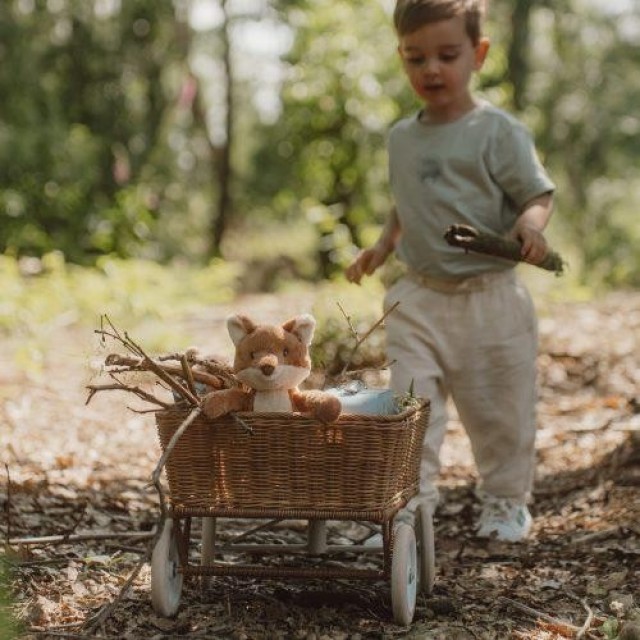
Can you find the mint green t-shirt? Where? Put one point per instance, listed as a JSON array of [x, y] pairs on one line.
[[479, 170]]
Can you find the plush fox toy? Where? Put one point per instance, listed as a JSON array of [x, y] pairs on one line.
[[272, 360]]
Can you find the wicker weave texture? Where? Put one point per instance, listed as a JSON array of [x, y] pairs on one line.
[[288, 461]]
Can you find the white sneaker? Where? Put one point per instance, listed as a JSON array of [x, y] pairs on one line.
[[504, 519]]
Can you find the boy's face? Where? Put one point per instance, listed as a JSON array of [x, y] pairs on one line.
[[439, 59]]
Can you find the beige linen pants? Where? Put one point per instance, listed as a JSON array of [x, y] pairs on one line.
[[476, 342]]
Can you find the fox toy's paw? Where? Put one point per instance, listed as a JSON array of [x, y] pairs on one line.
[[212, 407], [219, 403], [319, 404], [328, 409]]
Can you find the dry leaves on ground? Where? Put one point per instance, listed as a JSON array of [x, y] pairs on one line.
[[71, 470]]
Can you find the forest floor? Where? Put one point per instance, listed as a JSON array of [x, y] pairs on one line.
[[72, 469]]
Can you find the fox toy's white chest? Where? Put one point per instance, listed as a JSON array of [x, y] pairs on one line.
[[272, 400]]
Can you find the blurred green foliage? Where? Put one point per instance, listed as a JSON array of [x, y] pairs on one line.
[[112, 119], [52, 292], [8, 626]]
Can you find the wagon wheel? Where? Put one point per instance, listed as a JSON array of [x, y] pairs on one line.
[[166, 579], [426, 548], [404, 575]]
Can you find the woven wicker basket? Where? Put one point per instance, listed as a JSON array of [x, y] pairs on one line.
[[271, 461]]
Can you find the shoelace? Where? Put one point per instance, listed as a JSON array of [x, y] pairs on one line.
[[499, 509]]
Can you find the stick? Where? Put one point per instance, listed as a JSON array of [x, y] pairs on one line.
[[146, 361], [360, 340], [155, 476], [78, 537], [470, 239], [100, 618], [120, 386], [188, 374], [584, 629], [138, 364], [165, 377], [8, 503], [538, 614]]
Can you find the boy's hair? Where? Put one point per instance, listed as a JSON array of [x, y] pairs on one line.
[[410, 15]]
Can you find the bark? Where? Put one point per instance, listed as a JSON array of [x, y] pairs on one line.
[[470, 239], [222, 167]]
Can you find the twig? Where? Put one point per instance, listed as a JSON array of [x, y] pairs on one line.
[[108, 609], [538, 614], [7, 507], [582, 632], [596, 536], [120, 386], [360, 340], [165, 377], [155, 476], [188, 374], [242, 423], [77, 537], [91, 623], [131, 363], [48, 633], [146, 361]]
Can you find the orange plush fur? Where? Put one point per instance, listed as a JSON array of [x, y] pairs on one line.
[[272, 361]]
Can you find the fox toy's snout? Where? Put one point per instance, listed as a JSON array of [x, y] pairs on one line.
[[267, 364]]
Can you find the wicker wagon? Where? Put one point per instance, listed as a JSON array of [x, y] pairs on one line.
[[286, 466]]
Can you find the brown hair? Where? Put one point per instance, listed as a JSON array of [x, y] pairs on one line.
[[410, 15]]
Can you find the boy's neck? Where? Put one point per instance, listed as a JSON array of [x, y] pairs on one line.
[[436, 116]]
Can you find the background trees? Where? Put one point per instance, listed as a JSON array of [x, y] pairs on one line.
[[155, 128]]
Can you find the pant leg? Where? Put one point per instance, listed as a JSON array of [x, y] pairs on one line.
[[412, 350], [493, 385]]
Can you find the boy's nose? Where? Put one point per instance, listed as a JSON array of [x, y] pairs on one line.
[[430, 66]]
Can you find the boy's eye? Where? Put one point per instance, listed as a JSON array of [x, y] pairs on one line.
[[448, 57], [414, 62]]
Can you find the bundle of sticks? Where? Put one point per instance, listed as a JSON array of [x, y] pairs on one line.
[[187, 375]]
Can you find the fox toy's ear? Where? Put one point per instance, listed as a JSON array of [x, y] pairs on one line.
[[302, 326], [239, 327]]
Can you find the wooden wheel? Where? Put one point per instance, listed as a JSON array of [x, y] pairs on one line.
[[426, 548], [166, 579], [404, 575]]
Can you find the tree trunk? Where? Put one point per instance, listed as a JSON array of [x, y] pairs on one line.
[[518, 54], [222, 167]]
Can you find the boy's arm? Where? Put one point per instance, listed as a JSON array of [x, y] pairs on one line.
[[368, 260], [529, 227]]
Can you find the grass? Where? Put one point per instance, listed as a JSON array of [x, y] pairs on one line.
[[40, 297]]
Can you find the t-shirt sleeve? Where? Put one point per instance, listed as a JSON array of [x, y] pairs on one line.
[[515, 166]]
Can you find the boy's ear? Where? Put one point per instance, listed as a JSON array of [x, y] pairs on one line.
[[481, 50]]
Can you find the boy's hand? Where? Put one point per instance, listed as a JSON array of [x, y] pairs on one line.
[[534, 244], [530, 225], [366, 262]]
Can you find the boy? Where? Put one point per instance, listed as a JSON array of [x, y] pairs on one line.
[[465, 327]]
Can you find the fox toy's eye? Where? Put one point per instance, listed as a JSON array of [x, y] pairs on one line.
[[285, 352], [252, 355]]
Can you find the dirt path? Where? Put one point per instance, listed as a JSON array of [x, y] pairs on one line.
[[73, 468]]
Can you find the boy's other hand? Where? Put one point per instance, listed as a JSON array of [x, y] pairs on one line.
[[366, 262]]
